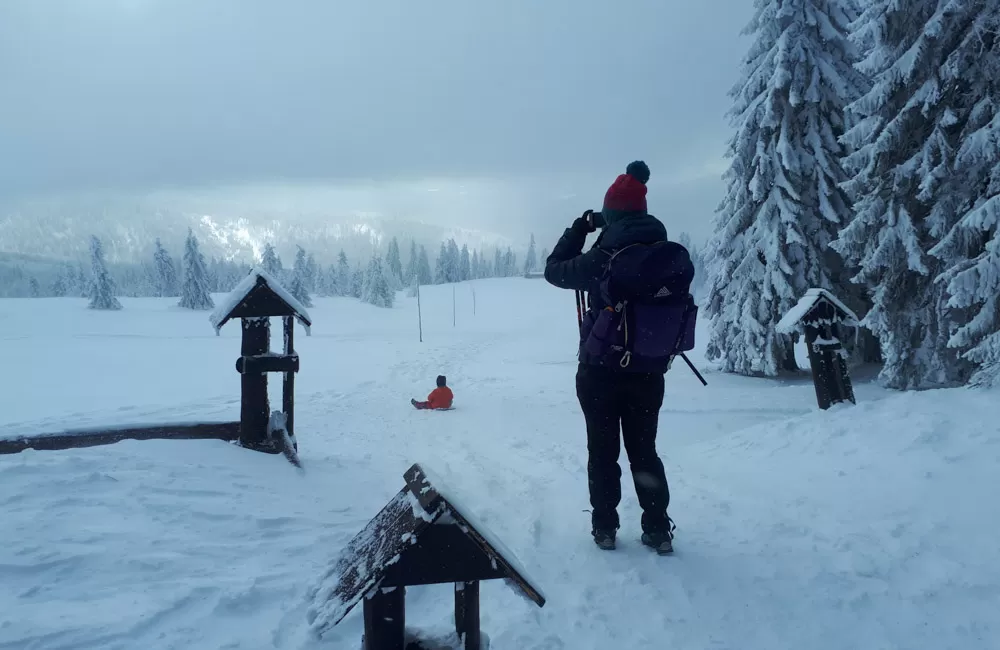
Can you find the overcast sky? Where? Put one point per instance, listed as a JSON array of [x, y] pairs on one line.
[[550, 99]]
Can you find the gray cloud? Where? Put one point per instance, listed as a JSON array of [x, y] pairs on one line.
[[161, 93]]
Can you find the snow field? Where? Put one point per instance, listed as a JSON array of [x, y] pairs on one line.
[[862, 527]]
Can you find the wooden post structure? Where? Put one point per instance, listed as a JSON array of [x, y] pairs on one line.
[[255, 409], [473, 301], [454, 318], [828, 365], [820, 314], [467, 614], [419, 538], [420, 318], [255, 300], [385, 619], [288, 385]]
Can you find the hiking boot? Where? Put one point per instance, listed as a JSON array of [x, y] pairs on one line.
[[662, 543], [605, 539]]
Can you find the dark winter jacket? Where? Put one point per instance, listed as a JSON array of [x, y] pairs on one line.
[[568, 267]]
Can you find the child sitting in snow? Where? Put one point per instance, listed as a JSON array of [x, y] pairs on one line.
[[440, 398]]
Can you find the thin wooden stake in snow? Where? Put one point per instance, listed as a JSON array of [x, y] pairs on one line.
[[420, 318], [454, 318]]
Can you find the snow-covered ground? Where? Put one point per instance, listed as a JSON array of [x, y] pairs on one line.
[[872, 526]]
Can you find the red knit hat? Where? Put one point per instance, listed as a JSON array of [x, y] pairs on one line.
[[626, 194]]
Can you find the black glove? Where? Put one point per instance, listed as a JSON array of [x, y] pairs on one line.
[[585, 223]]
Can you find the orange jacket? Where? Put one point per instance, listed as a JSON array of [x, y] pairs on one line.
[[440, 398]]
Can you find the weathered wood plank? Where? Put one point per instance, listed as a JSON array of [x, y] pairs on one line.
[[255, 365], [92, 438]]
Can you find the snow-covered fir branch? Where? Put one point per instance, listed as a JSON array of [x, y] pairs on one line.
[[784, 204], [919, 194]]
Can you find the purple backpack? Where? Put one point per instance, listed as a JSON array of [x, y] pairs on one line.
[[650, 314]]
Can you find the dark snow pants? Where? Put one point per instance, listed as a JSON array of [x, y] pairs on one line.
[[616, 406]]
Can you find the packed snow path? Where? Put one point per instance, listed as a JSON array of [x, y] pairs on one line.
[[865, 527]]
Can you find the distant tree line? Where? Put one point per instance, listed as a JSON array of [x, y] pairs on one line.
[[386, 273], [192, 279]]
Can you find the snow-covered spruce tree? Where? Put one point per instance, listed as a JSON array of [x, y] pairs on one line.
[[541, 259], [784, 205], [474, 265], [271, 263], [213, 273], [510, 263], [323, 279], [166, 271], [61, 285], [312, 273], [411, 265], [453, 263], [411, 291], [907, 192], [357, 282], [684, 239], [441, 265], [344, 276], [34, 289], [531, 259], [424, 268], [195, 292], [102, 287], [132, 282], [378, 290], [299, 286], [971, 249], [489, 268], [81, 283], [394, 264], [464, 264]]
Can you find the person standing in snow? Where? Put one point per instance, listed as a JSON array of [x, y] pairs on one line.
[[617, 402]]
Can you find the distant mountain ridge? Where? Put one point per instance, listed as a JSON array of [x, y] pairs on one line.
[[61, 231]]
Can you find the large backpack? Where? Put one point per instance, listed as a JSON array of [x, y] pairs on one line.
[[649, 316]]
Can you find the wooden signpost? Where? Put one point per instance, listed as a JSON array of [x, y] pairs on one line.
[[254, 301], [820, 315], [420, 537]]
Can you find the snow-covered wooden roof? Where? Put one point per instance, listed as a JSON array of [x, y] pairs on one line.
[[397, 538], [791, 322], [259, 289]]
